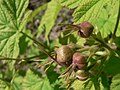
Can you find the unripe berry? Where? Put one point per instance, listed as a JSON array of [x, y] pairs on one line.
[[79, 61], [86, 29], [64, 55], [82, 75]]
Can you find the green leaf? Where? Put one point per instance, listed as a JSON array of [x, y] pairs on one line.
[[83, 85], [63, 40], [24, 20], [81, 41], [83, 9], [11, 12], [104, 84], [113, 65], [70, 3], [52, 77], [2, 85], [11, 21], [23, 44], [33, 82], [107, 19], [15, 8], [96, 83], [117, 41], [37, 11], [9, 46], [115, 85], [49, 18], [77, 85], [72, 39], [17, 83]]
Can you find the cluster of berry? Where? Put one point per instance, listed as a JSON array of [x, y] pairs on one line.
[[72, 59]]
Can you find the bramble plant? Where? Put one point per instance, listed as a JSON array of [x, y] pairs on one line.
[[85, 55]]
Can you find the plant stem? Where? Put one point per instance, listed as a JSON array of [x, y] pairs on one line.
[[41, 46], [77, 27], [68, 69], [49, 66], [117, 23], [37, 42], [87, 48], [103, 66], [28, 58], [106, 46]]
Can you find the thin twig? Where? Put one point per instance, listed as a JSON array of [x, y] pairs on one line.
[[71, 25], [41, 46], [37, 42], [103, 66], [43, 64], [68, 69], [49, 66], [28, 58], [106, 46]]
